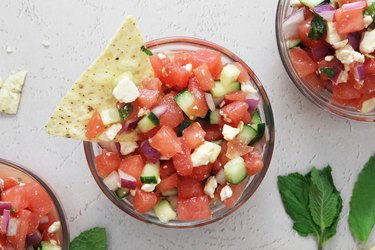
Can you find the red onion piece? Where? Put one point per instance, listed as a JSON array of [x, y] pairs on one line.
[[318, 53], [292, 22], [253, 102], [220, 177], [159, 110], [129, 124], [127, 181], [336, 76], [110, 146], [326, 11], [210, 101], [5, 221], [359, 72], [354, 6], [1, 184], [5, 205], [44, 219], [13, 227], [151, 154], [34, 239], [354, 39]]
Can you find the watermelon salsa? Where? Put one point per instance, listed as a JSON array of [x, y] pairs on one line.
[[332, 46], [29, 219], [185, 140]]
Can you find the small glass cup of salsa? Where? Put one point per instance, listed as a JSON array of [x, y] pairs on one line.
[[30, 214]]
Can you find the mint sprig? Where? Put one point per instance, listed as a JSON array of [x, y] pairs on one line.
[[318, 28], [93, 239], [146, 50], [330, 72]]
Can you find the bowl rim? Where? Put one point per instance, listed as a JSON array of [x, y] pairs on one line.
[[88, 146], [324, 104], [51, 194]]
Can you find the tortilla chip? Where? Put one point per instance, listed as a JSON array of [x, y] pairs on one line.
[[10, 92], [93, 90]]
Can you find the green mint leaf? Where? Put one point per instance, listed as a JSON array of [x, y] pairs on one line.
[[146, 50], [125, 111], [325, 202], [370, 11], [93, 239], [294, 191], [362, 203], [318, 28], [330, 72]]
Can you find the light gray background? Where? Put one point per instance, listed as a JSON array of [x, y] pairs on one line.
[[78, 31]]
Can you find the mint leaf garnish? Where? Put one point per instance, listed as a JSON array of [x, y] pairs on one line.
[[146, 50], [330, 72], [93, 239], [370, 11], [318, 28]]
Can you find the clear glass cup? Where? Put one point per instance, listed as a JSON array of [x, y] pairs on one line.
[[11, 169], [321, 99], [172, 45]]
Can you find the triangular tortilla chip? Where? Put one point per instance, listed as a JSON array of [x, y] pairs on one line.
[[93, 90]]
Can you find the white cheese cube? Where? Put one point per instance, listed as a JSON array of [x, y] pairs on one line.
[[333, 37], [110, 116], [110, 133], [229, 132], [126, 91], [188, 67], [202, 154], [150, 187], [128, 147], [211, 185], [348, 55], [367, 20], [225, 193], [367, 45], [248, 89], [54, 227]]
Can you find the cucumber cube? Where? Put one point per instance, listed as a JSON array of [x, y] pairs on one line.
[[164, 211], [235, 170], [229, 74]]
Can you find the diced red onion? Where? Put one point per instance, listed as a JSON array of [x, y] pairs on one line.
[[129, 124], [217, 100], [151, 154], [5, 205], [220, 177], [318, 53], [127, 181], [359, 72], [34, 239], [336, 76], [354, 39], [326, 11], [13, 227], [173, 201], [5, 221], [44, 219], [1, 184], [210, 101], [111, 146], [253, 103], [292, 22], [159, 110], [112, 181], [354, 6]]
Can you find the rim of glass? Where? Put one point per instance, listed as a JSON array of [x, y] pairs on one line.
[[56, 202], [317, 98], [267, 154]]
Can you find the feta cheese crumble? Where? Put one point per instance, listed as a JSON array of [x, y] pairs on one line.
[[225, 193], [334, 38], [128, 147], [367, 45], [211, 185], [188, 67], [204, 154], [329, 58], [126, 91], [348, 55], [229, 132], [150, 187], [54, 227], [248, 89], [367, 20], [110, 133]]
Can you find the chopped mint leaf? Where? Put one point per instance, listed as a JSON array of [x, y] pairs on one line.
[[146, 50], [125, 111], [94, 238], [330, 72], [362, 203], [318, 28]]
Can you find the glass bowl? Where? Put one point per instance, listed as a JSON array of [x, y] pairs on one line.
[[10, 169], [172, 45], [321, 99]]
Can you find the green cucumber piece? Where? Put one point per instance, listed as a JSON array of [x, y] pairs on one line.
[[183, 126], [235, 170], [247, 135], [260, 128], [45, 245], [164, 211], [293, 43], [148, 122], [122, 192], [215, 152], [311, 3], [255, 118], [185, 100], [214, 117], [229, 74], [150, 173], [125, 111], [220, 90]]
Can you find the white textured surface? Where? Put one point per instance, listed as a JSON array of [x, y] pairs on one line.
[[78, 30]]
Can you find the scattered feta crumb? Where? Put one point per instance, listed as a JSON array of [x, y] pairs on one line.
[[367, 20], [10, 92], [203, 153], [126, 91], [54, 227], [367, 45], [128, 147], [344, 77], [225, 193], [161, 56], [143, 112], [150, 187], [229, 132], [188, 67], [211, 185], [248, 89], [110, 133], [329, 58], [46, 43], [9, 50], [348, 55], [334, 38]]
